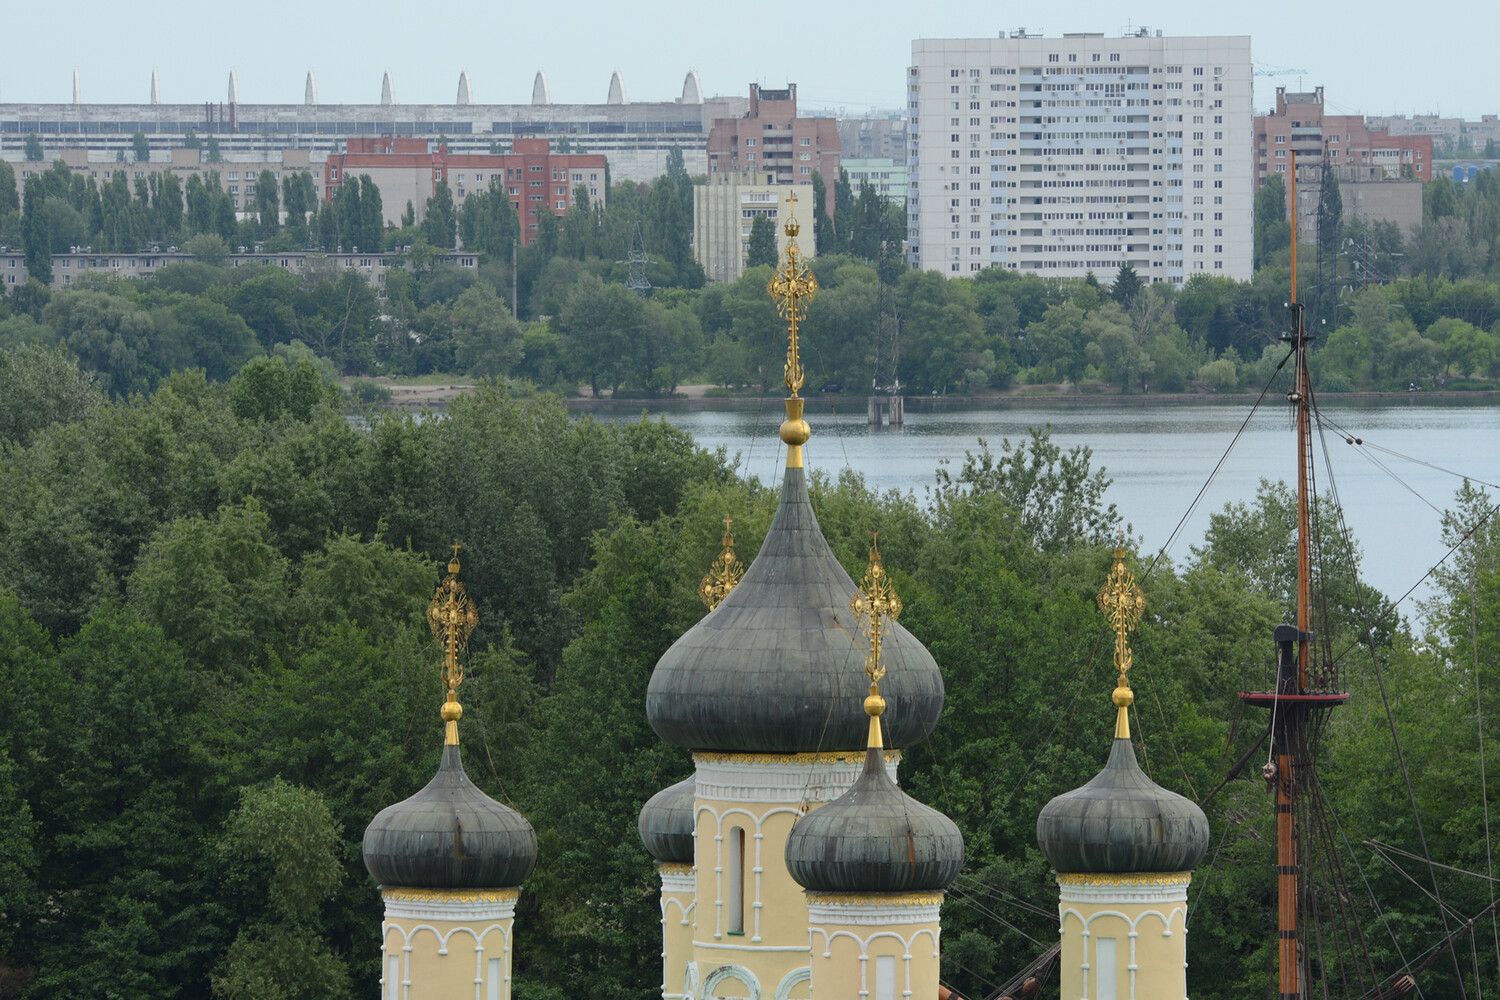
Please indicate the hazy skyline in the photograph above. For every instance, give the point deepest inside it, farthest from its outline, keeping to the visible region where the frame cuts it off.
(839, 57)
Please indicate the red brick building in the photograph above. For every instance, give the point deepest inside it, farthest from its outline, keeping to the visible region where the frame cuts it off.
(770, 138)
(1349, 149)
(405, 170)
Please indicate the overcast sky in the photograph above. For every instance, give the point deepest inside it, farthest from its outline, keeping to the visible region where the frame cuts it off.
(1373, 58)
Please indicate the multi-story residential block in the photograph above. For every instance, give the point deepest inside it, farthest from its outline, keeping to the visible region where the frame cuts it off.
(636, 136)
(771, 138)
(1451, 131)
(726, 207)
(406, 170)
(882, 173)
(874, 137)
(1064, 156)
(1369, 163)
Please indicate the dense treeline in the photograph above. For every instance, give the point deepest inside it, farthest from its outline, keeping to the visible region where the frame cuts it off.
(1388, 312)
(214, 671)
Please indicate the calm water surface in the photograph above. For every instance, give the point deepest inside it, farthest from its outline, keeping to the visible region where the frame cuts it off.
(1160, 456)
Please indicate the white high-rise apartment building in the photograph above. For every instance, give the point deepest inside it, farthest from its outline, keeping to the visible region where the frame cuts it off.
(1061, 156)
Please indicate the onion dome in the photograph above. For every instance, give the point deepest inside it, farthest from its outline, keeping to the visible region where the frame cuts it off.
(450, 835)
(1122, 821)
(768, 669)
(666, 823)
(874, 837)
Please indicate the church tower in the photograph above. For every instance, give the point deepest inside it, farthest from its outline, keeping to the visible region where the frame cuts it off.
(449, 860)
(764, 691)
(1123, 849)
(874, 861)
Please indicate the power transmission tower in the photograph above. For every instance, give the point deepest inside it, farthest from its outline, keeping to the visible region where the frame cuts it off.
(636, 261)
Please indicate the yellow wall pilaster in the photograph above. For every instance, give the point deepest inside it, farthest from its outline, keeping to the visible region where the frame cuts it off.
(1124, 937)
(442, 944)
(874, 946)
(678, 885)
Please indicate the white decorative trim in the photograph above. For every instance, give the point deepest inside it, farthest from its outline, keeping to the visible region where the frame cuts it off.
(792, 980)
(876, 913)
(1122, 894)
(690, 981)
(679, 882)
(739, 972)
(758, 949)
(462, 911)
(409, 934)
(908, 944)
(770, 778)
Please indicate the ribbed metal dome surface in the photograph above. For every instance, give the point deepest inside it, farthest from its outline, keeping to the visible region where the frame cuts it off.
(874, 838)
(666, 823)
(1122, 822)
(776, 667)
(450, 835)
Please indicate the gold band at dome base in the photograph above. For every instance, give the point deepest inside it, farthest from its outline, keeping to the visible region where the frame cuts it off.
(875, 899)
(1136, 878)
(449, 895)
(674, 868)
(822, 757)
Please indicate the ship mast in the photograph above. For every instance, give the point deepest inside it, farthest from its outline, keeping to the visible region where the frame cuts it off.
(1299, 697)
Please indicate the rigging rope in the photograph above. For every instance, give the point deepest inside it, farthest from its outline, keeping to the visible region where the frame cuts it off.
(1364, 617)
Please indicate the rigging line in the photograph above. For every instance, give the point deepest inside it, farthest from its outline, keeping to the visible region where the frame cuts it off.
(1442, 907)
(1203, 886)
(1364, 616)
(1338, 881)
(1073, 687)
(1369, 890)
(974, 884)
(1162, 552)
(1382, 467)
(986, 911)
(1467, 535)
(1171, 743)
(1381, 845)
(1234, 772)
(1353, 439)
(838, 428)
(1484, 788)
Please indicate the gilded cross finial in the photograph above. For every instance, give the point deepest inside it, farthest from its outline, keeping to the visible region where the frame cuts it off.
(1122, 602)
(793, 287)
(724, 573)
(875, 605)
(452, 618)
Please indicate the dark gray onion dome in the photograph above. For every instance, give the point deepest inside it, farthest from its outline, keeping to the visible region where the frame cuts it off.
(874, 838)
(1121, 822)
(666, 823)
(450, 835)
(776, 667)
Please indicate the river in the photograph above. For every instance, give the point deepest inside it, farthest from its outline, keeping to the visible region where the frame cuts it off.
(1160, 456)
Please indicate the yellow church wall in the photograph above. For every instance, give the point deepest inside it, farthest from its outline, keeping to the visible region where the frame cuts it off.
(447, 945)
(874, 946)
(1124, 937)
(678, 912)
(750, 937)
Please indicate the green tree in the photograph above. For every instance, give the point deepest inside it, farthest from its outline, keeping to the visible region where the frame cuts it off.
(439, 223)
(267, 204)
(279, 854)
(762, 243)
(34, 153)
(1127, 285)
(10, 195)
(1273, 232)
(41, 386)
(140, 148)
(35, 236)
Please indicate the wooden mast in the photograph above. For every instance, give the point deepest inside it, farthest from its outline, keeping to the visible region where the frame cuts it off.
(1298, 696)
